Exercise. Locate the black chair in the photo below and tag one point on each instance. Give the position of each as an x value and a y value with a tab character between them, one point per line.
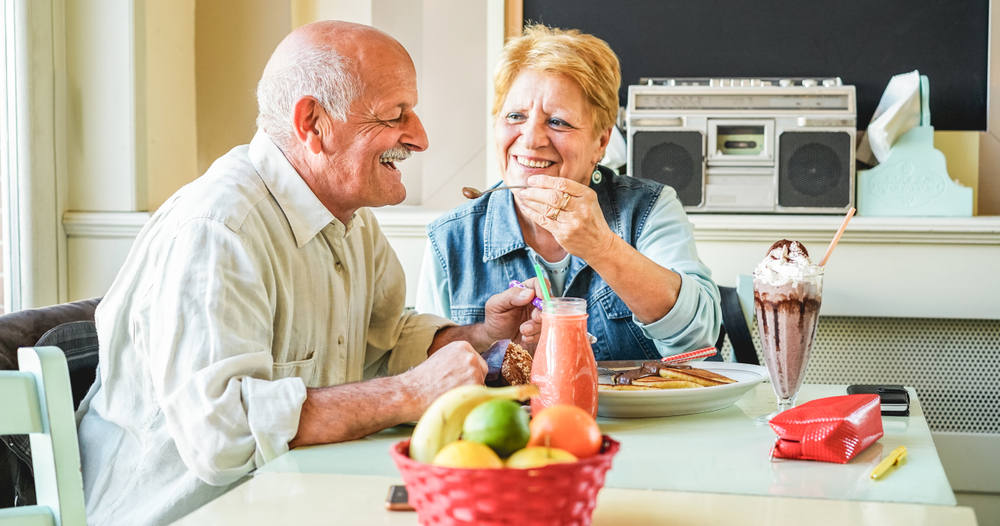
734	324
69	326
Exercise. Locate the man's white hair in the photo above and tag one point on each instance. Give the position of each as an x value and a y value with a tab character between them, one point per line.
319	72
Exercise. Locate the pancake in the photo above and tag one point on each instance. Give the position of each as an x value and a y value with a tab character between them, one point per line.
606	387
664	383
697	376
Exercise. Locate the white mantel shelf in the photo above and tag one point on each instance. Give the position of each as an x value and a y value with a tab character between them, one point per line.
104	224
412	221
902	267
811	228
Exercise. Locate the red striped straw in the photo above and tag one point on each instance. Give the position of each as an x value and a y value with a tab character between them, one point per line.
690	355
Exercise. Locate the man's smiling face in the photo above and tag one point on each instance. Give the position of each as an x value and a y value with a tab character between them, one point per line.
381	130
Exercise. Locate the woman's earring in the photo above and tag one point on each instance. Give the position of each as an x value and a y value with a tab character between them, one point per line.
597	177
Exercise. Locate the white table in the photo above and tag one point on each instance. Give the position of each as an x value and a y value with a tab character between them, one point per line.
722	451
309	498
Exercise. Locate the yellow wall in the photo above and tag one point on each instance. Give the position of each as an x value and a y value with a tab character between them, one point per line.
171	136
961	151
203	61
233	41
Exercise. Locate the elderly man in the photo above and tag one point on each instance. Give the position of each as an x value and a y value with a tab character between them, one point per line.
262	308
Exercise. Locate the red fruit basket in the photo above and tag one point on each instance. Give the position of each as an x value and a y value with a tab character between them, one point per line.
557	494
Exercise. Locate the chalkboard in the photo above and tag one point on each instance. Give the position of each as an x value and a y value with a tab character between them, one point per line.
865	42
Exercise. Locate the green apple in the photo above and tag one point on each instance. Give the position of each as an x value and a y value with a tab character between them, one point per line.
538	456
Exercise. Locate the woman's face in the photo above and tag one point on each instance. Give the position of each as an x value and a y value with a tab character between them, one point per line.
545	127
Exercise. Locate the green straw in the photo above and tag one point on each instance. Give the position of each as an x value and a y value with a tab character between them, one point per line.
541	282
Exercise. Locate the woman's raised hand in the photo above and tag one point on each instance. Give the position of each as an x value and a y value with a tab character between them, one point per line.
569	211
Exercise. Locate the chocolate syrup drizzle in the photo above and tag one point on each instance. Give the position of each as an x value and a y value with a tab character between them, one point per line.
643	371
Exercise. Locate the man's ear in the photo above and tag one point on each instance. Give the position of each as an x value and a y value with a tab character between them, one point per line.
306	123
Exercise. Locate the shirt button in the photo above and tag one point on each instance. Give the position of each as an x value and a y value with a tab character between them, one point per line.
340	340
340	268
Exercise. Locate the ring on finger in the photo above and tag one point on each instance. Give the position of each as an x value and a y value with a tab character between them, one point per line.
553	213
565	201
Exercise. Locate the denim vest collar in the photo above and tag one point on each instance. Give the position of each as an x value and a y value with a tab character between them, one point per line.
503	233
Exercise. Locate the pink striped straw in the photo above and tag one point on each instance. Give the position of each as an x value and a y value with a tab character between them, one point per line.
690	355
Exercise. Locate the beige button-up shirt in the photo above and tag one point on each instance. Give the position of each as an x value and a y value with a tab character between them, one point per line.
240	292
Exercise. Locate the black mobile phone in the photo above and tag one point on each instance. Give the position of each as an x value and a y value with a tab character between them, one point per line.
398	500
895	400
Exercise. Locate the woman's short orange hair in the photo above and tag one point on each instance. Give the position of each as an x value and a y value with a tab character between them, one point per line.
585	59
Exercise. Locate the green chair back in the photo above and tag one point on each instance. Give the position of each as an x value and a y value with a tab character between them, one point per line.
38	401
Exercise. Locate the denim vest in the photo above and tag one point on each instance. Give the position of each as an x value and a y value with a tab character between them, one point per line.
481	249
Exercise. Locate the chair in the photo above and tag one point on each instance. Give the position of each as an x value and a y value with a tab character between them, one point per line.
69	326
737	316
38	400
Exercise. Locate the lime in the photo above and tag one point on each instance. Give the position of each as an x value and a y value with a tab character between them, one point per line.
465	454
500	424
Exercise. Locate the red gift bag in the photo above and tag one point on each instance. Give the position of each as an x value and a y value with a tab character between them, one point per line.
829	429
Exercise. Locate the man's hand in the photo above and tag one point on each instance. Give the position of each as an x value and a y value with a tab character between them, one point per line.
453	365
510	314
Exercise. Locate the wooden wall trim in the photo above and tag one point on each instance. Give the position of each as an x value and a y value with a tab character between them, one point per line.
513	18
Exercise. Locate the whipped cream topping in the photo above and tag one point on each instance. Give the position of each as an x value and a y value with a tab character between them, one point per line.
786	261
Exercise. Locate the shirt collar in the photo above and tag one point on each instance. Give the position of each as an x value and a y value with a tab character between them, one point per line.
304	212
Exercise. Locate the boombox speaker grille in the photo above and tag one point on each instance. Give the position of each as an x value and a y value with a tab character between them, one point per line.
673	158
814	169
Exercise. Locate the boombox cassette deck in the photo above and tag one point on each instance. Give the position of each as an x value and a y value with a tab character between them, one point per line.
763	145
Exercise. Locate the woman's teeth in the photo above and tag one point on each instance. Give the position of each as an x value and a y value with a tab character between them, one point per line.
532	164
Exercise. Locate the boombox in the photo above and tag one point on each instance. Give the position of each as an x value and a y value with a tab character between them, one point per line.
746	145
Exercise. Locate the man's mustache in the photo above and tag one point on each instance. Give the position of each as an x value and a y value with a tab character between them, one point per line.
398	153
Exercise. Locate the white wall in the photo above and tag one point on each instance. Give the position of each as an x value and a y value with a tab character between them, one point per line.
106	111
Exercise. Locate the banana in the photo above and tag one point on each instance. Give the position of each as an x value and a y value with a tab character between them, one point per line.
442	423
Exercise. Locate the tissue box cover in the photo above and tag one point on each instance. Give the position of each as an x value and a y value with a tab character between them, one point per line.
831	429
912	182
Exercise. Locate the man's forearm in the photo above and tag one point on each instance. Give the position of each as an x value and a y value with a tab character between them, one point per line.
475	334
355	410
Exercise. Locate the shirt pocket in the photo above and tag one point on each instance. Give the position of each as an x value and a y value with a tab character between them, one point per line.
304	369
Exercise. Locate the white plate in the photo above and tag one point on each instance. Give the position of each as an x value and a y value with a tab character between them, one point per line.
672	402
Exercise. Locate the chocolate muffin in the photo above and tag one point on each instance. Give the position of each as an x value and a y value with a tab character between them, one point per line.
516	367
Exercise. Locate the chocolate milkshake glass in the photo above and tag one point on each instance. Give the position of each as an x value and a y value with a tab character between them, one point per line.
788	291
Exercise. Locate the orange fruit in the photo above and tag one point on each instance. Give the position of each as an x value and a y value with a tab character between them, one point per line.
566	427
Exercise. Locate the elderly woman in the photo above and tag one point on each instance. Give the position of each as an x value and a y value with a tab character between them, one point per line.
622	243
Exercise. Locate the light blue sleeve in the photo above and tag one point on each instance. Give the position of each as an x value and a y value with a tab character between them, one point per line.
668	240
433	293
